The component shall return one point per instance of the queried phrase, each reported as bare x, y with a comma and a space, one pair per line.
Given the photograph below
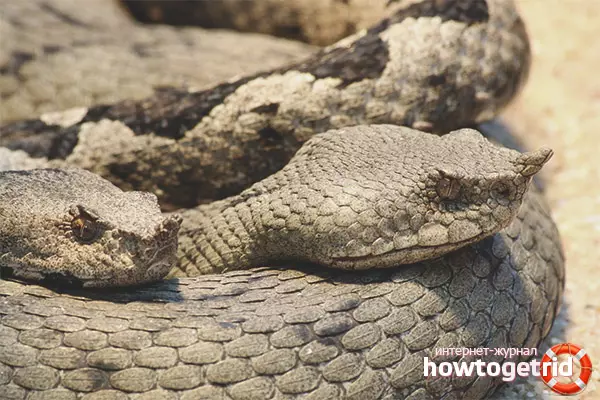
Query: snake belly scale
332, 255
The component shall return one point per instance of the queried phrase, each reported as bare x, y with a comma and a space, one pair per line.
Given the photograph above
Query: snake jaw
53, 279
395, 258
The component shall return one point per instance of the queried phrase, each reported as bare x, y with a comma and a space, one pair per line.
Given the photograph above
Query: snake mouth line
409, 255
52, 279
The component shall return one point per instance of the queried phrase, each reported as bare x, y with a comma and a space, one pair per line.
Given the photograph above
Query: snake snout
533, 161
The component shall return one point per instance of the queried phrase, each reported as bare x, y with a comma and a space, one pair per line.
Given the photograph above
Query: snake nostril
502, 192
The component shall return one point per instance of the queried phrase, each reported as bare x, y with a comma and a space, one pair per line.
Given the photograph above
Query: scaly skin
362, 198
305, 332
272, 332
449, 68
47, 45
311, 330
319, 22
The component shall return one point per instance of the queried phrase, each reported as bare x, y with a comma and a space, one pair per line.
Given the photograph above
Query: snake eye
448, 188
85, 228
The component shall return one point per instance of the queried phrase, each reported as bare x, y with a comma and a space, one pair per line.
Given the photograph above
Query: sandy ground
560, 107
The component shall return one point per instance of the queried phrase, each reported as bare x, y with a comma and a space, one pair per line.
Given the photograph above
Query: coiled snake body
432, 241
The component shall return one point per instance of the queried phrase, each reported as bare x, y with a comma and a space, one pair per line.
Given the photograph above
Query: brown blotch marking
270, 108
15, 61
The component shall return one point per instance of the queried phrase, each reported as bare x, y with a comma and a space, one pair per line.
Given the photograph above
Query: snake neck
217, 237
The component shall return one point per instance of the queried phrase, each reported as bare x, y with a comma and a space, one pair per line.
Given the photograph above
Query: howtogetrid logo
565, 368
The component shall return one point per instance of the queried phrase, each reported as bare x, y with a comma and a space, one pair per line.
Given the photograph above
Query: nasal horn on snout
533, 161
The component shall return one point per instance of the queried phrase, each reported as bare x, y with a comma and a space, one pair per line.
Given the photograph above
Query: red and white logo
556, 381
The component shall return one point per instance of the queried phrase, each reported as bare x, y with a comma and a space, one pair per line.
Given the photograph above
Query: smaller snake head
73, 226
381, 196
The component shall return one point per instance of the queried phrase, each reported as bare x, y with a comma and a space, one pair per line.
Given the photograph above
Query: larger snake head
380, 196
73, 226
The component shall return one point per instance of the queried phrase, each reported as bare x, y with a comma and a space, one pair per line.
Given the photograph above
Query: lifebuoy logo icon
563, 380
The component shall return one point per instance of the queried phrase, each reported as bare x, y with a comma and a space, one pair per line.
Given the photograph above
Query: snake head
71, 226
386, 195
464, 189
